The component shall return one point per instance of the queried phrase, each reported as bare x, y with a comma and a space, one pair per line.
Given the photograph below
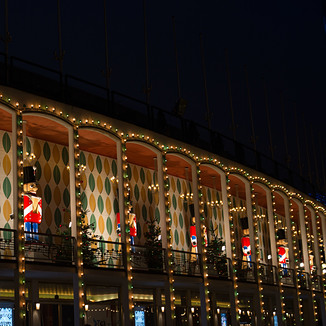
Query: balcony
49, 248
268, 274
287, 277
148, 259
186, 263
304, 280
316, 282
246, 271
103, 254
220, 268
7, 244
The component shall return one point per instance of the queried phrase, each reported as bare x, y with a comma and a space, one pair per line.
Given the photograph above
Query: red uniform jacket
29, 215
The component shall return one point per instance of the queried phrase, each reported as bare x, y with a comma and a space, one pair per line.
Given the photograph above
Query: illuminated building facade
104, 183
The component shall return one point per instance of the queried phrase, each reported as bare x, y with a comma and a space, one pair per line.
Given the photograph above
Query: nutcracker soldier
245, 240
32, 204
282, 250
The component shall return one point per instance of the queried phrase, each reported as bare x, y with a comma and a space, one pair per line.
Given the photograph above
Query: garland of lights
234, 263
203, 254
20, 222
259, 280
79, 258
321, 249
279, 277
296, 260
168, 236
310, 244
126, 192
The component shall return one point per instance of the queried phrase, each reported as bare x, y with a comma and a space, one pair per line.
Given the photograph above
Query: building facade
140, 229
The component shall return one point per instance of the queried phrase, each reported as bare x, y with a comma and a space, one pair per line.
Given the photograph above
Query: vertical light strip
310, 246
321, 250
79, 216
255, 219
202, 238
294, 233
169, 237
279, 281
20, 224
126, 194
234, 266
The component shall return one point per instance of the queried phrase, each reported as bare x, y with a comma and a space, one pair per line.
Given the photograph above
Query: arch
175, 168
45, 126
6, 113
98, 141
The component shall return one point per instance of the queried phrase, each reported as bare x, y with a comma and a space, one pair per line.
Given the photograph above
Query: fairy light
309, 242
79, 257
296, 259
279, 281
233, 258
169, 236
20, 223
126, 191
259, 279
202, 238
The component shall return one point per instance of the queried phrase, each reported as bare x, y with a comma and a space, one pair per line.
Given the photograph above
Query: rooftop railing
40, 80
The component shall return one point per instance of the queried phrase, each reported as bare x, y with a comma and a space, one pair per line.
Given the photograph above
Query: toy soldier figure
32, 204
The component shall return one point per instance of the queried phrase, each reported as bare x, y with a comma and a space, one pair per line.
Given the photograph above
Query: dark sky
283, 41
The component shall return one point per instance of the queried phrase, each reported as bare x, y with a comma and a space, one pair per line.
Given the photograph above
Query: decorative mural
99, 195
6, 180
263, 234
179, 213
213, 210
145, 200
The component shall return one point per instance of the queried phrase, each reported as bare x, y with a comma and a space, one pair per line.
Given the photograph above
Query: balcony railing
287, 277
105, 254
186, 263
316, 282
304, 280
246, 271
49, 248
220, 268
148, 259
268, 274
7, 244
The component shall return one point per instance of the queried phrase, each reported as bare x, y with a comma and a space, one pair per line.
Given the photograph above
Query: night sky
282, 41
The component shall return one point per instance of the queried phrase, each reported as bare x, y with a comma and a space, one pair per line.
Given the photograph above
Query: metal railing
316, 282
7, 244
287, 277
103, 254
220, 268
268, 274
49, 248
304, 280
40, 80
246, 271
148, 259
186, 263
